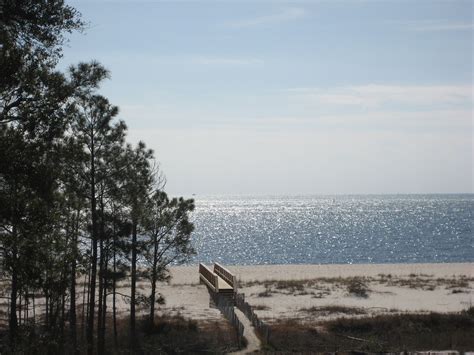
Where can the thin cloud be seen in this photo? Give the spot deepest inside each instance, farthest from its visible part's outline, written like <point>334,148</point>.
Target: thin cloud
<point>373,95</point>
<point>446,27</point>
<point>434,25</point>
<point>225,61</point>
<point>459,120</point>
<point>285,15</point>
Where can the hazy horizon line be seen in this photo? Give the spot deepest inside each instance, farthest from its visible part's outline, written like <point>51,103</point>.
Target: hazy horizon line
<point>321,194</point>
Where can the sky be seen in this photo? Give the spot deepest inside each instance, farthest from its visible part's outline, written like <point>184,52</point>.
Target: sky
<point>291,97</point>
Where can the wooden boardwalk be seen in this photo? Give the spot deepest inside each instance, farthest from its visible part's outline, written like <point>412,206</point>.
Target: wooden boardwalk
<point>222,285</point>
<point>220,280</point>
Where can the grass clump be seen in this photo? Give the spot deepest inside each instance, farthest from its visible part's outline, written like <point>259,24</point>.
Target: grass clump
<point>329,310</point>
<point>260,307</point>
<point>291,286</point>
<point>266,293</point>
<point>358,288</point>
<point>427,282</point>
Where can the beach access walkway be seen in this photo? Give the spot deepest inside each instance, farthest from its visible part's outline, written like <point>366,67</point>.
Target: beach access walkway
<point>223,286</point>
<point>220,280</point>
<point>253,342</point>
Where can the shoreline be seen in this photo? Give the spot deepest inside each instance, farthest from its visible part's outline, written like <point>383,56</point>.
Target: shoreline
<point>188,274</point>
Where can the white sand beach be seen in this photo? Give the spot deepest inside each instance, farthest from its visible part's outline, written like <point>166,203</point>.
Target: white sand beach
<point>306,292</point>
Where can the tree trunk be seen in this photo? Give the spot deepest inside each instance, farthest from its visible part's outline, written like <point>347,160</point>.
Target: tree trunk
<point>100,339</point>
<point>100,317</point>
<point>91,310</point>
<point>63,310</point>
<point>52,312</point>
<point>104,314</point>
<point>85,302</point>
<point>46,302</point>
<point>153,280</point>
<point>72,309</point>
<point>90,320</point>
<point>104,297</point>
<point>34,308</point>
<point>72,291</point>
<point>152,300</point>
<point>114,283</point>
<point>133,334</point>
<point>19,308</point>
<point>13,321</point>
<point>26,309</point>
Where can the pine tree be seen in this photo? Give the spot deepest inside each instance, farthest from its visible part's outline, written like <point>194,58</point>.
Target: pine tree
<point>168,230</point>
<point>100,139</point>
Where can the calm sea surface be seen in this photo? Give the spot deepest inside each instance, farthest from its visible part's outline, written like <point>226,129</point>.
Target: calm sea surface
<point>334,229</point>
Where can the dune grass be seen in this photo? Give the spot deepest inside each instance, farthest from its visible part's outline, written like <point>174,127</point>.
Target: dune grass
<point>382,333</point>
<point>359,286</point>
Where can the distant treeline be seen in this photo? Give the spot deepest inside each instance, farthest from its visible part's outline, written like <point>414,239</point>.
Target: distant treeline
<point>76,201</point>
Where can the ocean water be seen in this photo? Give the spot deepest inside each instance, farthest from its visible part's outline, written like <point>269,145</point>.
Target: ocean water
<point>334,229</point>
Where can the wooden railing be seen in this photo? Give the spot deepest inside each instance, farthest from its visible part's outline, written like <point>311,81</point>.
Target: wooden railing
<point>263,330</point>
<point>226,275</point>
<point>208,277</point>
<point>227,309</point>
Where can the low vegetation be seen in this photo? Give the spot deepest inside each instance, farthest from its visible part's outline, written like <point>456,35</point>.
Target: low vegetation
<point>169,334</point>
<point>260,307</point>
<point>324,311</point>
<point>177,334</point>
<point>266,293</point>
<point>359,286</point>
<point>426,282</point>
<point>383,333</point>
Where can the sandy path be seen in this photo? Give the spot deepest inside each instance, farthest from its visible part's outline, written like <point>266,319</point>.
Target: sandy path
<point>249,333</point>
